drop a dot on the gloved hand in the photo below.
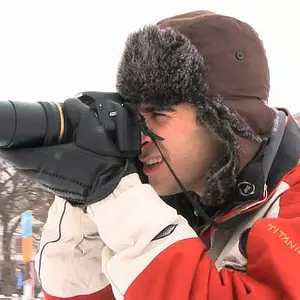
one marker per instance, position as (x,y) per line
(83,171)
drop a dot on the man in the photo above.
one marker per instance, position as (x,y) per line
(19,282)
(219,218)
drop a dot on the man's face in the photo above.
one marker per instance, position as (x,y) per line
(189,148)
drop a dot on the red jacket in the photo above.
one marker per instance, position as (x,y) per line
(155,254)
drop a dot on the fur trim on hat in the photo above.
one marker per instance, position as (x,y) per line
(160,67)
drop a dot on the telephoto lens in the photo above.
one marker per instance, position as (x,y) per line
(31,124)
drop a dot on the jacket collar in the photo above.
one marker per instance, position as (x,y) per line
(261,176)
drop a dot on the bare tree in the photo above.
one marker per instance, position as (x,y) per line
(17,194)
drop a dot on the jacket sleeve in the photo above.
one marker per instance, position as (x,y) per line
(154,254)
(68,263)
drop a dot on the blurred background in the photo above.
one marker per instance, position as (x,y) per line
(18,197)
(52,50)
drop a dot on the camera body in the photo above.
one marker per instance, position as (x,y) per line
(118,119)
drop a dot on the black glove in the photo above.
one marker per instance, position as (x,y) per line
(83,171)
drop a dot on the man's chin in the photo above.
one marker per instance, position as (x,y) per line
(163,190)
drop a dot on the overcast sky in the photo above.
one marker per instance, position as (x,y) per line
(52,50)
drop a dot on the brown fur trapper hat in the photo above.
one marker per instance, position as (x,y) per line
(217,64)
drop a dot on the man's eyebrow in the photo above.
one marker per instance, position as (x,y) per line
(150,109)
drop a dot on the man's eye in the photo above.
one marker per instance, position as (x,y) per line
(157,114)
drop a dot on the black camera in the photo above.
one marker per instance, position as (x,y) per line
(24,124)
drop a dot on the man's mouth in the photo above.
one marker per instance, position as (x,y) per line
(152,165)
(151,162)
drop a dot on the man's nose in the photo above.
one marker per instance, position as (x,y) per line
(145,139)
